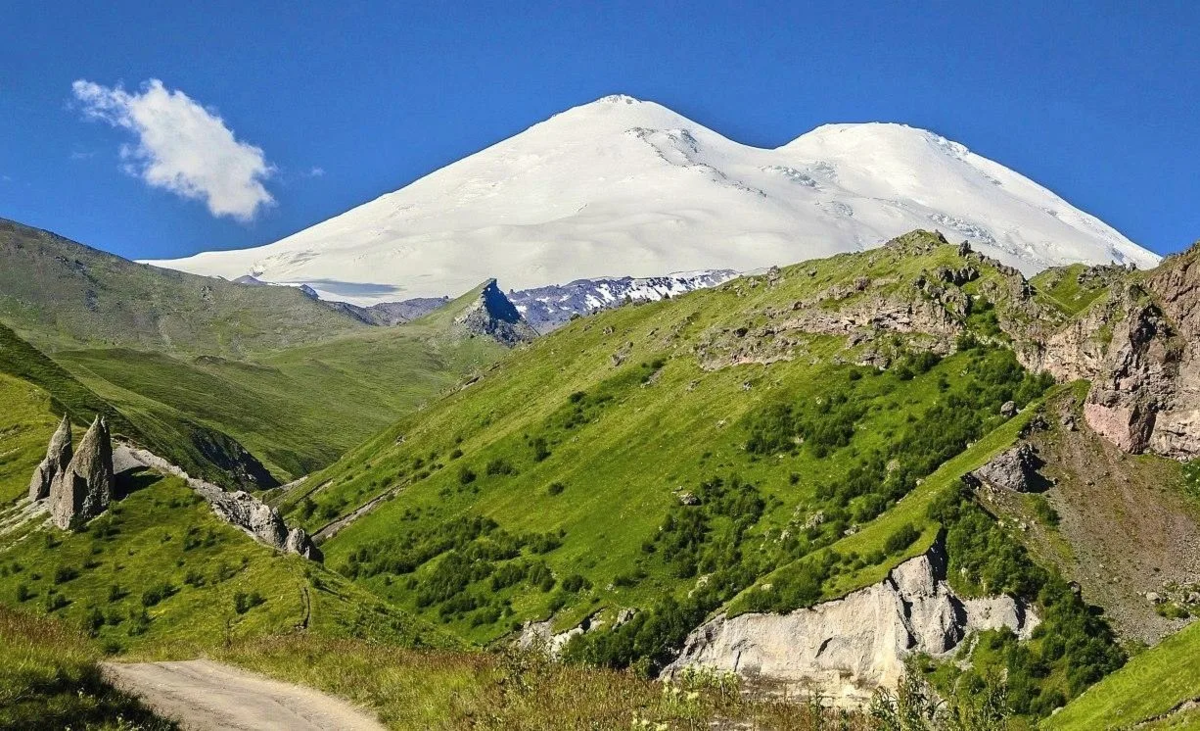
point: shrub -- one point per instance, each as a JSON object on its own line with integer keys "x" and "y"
{"x": 901, "y": 539}
{"x": 499, "y": 466}
{"x": 465, "y": 476}
{"x": 157, "y": 593}
{"x": 23, "y": 593}
{"x": 575, "y": 582}
{"x": 541, "y": 450}
{"x": 556, "y": 488}
{"x": 63, "y": 574}
{"x": 244, "y": 602}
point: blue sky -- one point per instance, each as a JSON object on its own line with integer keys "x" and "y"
{"x": 332, "y": 104}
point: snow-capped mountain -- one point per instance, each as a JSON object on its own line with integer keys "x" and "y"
{"x": 622, "y": 187}
{"x": 546, "y": 308}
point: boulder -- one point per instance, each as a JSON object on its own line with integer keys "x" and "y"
{"x": 1014, "y": 470}
{"x": 58, "y": 457}
{"x": 299, "y": 543}
{"x": 85, "y": 488}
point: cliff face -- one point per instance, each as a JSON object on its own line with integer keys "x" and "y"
{"x": 850, "y": 646}
{"x": 1138, "y": 347}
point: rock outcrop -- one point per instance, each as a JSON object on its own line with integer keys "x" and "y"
{"x": 848, "y": 647}
{"x": 1138, "y": 346}
{"x": 1014, "y": 470}
{"x": 240, "y": 509}
{"x": 493, "y": 315}
{"x": 58, "y": 456}
{"x": 84, "y": 489}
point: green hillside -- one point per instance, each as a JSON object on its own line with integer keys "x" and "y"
{"x": 742, "y": 447}
{"x": 298, "y": 409}
{"x": 1155, "y": 685}
{"x": 201, "y": 450}
{"x": 60, "y": 294}
{"x": 217, "y": 376}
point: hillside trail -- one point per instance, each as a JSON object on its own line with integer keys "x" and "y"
{"x": 202, "y": 695}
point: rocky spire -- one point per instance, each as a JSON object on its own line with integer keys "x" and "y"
{"x": 85, "y": 488}
{"x": 493, "y": 315}
{"x": 58, "y": 456}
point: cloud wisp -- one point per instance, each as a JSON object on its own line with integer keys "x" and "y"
{"x": 182, "y": 147}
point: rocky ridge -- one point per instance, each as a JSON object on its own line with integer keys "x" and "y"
{"x": 1138, "y": 347}
{"x": 240, "y": 509}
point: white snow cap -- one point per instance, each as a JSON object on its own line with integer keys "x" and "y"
{"x": 627, "y": 187}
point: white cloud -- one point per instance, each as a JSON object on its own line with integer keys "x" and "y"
{"x": 316, "y": 172}
{"x": 182, "y": 147}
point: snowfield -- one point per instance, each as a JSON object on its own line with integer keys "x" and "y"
{"x": 622, "y": 187}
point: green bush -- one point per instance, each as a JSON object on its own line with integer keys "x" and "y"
{"x": 244, "y": 602}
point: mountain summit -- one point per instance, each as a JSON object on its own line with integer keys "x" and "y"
{"x": 627, "y": 187}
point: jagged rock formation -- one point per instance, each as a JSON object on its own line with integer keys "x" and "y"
{"x": 240, "y": 509}
{"x": 84, "y": 489}
{"x": 1014, "y": 470}
{"x": 1138, "y": 347}
{"x": 850, "y": 646}
{"x": 492, "y": 315}
{"x": 58, "y": 456}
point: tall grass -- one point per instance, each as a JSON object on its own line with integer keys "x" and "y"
{"x": 520, "y": 690}
{"x": 50, "y": 679}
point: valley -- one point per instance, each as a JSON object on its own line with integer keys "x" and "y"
{"x": 835, "y": 477}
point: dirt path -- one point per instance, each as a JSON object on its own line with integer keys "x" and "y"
{"x": 204, "y": 695}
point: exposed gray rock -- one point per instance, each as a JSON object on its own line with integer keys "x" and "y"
{"x": 494, "y": 316}
{"x": 85, "y": 487}
{"x": 58, "y": 456}
{"x": 541, "y": 635}
{"x": 1008, "y": 409}
{"x": 240, "y": 509}
{"x": 1014, "y": 470}
{"x": 848, "y": 647}
{"x": 299, "y": 542}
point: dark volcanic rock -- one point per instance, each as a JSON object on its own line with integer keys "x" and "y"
{"x": 58, "y": 457}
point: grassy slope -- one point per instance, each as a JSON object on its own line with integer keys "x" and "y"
{"x": 912, "y": 510}
{"x": 200, "y": 449}
{"x": 59, "y": 293}
{"x": 26, "y": 427}
{"x": 1151, "y": 684}
{"x": 50, "y": 679}
{"x": 298, "y": 409}
{"x": 158, "y": 535}
{"x": 619, "y": 469}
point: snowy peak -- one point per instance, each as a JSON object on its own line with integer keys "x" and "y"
{"x": 622, "y": 187}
